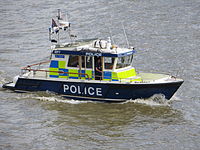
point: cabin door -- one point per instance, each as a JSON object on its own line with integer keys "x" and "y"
{"x": 86, "y": 66}
{"x": 98, "y": 68}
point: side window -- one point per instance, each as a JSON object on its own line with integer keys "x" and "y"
{"x": 109, "y": 61}
{"x": 73, "y": 61}
{"x": 129, "y": 60}
{"x": 88, "y": 62}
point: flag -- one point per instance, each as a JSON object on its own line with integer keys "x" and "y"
{"x": 53, "y": 24}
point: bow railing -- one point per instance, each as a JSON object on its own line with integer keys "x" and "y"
{"x": 29, "y": 69}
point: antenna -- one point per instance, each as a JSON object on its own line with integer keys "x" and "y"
{"x": 71, "y": 36}
{"x": 108, "y": 26}
{"x": 125, "y": 35}
{"x": 111, "y": 35}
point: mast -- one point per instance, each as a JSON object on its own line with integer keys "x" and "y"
{"x": 125, "y": 35}
{"x": 59, "y": 24}
{"x": 59, "y": 14}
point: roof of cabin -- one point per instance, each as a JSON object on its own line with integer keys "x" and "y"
{"x": 87, "y": 48}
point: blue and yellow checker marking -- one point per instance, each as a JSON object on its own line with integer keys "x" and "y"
{"x": 88, "y": 72}
{"x": 56, "y": 65}
{"x": 119, "y": 76}
{"x": 75, "y": 73}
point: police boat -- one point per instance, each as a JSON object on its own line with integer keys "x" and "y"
{"x": 91, "y": 69}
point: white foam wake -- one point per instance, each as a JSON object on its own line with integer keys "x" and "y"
{"x": 155, "y": 100}
{"x": 60, "y": 100}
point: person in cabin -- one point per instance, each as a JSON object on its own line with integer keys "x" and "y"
{"x": 98, "y": 70}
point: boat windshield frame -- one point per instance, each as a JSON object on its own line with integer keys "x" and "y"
{"x": 123, "y": 62}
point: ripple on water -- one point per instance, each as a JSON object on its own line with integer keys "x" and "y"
{"x": 166, "y": 35}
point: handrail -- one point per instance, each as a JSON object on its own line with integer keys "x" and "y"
{"x": 87, "y": 76}
{"x": 58, "y": 72}
{"x": 35, "y": 64}
{"x": 29, "y": 69}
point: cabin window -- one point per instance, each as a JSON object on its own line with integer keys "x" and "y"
{"x": 124, "y": 61}
{"x": 109, "y": 62}
{"x": 86, "y": 61}
{"x": 73, "y": 61}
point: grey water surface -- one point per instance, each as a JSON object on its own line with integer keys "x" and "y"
{"x": 166, "y": 35}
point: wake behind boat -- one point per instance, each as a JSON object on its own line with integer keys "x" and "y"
{"x": 91, "y": 69}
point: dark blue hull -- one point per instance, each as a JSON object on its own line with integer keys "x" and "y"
{"x": 98, "y": 91}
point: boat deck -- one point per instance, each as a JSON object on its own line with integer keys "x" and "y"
{"x": 149, "y": 77}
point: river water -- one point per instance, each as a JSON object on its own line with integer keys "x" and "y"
{"x": 166, "y": 35}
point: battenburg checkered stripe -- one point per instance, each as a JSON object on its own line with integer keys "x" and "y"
{"x": 56, "y": 65}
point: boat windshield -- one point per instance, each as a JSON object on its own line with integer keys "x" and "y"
{"x": 124, "y": 61}
{"x": 109, "y": 62}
